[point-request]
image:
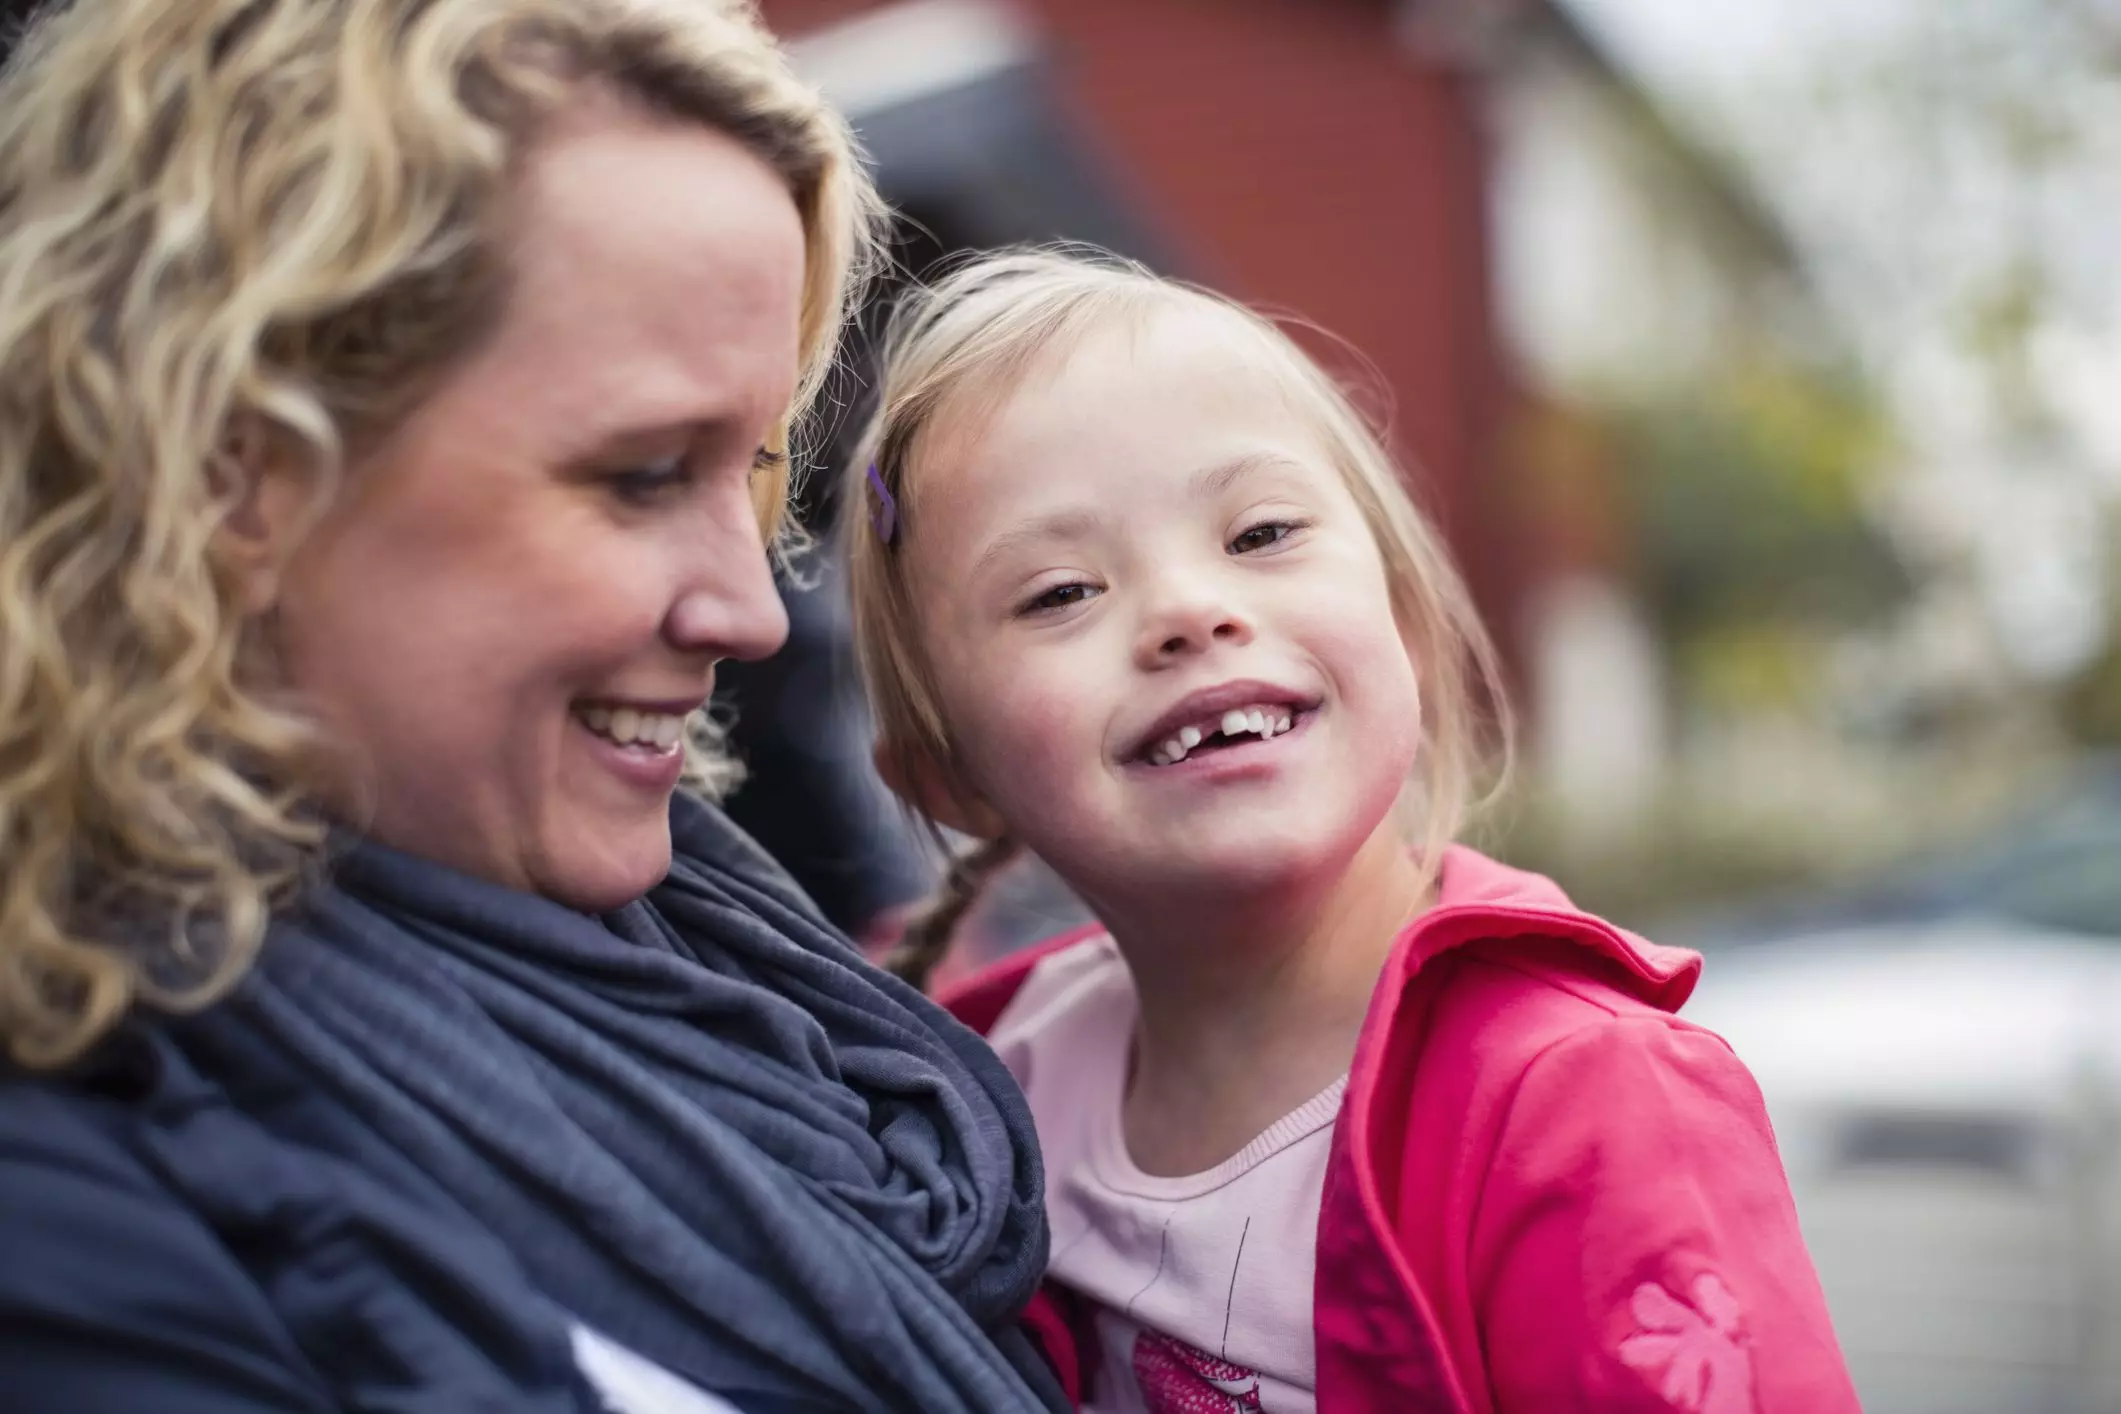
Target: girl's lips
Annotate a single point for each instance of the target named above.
(1249, 756)
(1203, 711)
(1260, 722)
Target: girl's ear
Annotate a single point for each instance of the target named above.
(917, 778)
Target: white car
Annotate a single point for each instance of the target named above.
(1947, 1094)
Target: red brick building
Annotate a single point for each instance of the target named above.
(1309, 156)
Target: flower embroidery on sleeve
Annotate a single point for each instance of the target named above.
(1696, 1355)
(1177, 1379)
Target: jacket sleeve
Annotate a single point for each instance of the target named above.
(113, 1296)
(1636, 1250)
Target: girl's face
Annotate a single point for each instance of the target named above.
(1161, 630)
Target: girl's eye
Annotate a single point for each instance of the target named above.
(1260, 536)
(1060, 596)
(644, 485)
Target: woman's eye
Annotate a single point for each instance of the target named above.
(642, 485)
(1061, 596)
(1260, 536)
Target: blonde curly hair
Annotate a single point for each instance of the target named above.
(281, 215)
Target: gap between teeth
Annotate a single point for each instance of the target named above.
(1262, 722)
(628, 726)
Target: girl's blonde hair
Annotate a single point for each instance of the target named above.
(226, 217)
(953, 352)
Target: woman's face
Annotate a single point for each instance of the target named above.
(550, 555)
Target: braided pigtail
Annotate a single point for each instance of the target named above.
(928, 937)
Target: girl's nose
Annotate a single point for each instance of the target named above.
(1190, 624)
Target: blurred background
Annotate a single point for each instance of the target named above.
(1762, 361)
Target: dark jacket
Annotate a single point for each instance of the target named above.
(224, 1213)
(159, 1250)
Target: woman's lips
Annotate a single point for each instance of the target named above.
(624, 725)
(648, 765)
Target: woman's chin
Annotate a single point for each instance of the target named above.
(596, 872)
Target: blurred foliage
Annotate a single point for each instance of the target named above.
(1944, 172)
(1741, 665)
(1679, 859)
(1950, 171)
(1713, 837)
(2090, 707)
(1746, 497)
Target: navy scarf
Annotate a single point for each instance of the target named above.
(702, 1125)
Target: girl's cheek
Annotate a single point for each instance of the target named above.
(1028, 732)
(1029, 723)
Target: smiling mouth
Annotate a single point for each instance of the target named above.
(1220, 731)
(652, 733)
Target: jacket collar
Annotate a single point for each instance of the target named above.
(1476, 894)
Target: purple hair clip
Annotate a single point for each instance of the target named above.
(884, 515)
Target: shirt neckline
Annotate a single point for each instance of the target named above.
(1115, 1166)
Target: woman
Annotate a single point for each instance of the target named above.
(391, 396)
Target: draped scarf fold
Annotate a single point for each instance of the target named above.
(702, 1125)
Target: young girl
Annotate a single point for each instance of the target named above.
(1336, 1115)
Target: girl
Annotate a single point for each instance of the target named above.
(1337, 1115)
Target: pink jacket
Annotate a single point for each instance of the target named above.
(1547, 1193)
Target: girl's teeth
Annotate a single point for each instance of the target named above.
(625, 725)
(1262, 722)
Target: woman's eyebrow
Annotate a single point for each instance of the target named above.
(636, 437)
(650, 433)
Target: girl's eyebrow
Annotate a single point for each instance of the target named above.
(1075, 523)
(1221, 476)
(1080, 522)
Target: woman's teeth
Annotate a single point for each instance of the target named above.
(1262, 722)
(660, 731)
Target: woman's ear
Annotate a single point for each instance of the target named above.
(270, 501)
(917, 778)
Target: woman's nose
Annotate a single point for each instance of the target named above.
(728, 605)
